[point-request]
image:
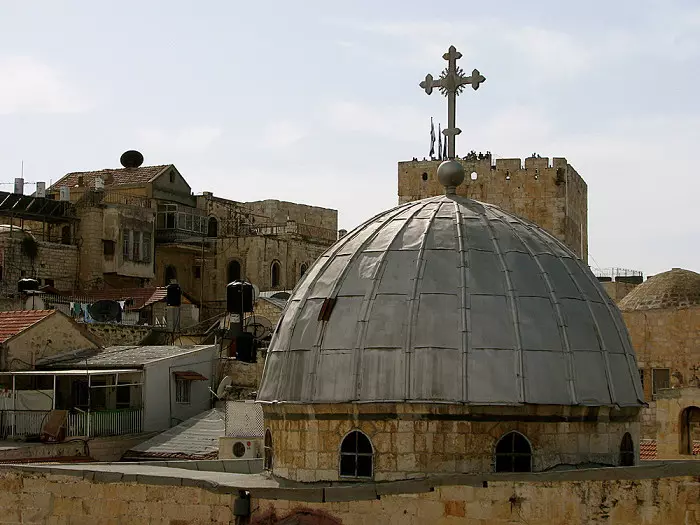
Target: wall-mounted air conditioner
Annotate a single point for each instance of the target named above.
(240, 448)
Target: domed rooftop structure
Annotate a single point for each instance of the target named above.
(450, 300)
(676, 288)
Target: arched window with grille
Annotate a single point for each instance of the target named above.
(233, 272)
(356, 456)
(275, 274)
(627, 451)
(268, 450)
(513, 453)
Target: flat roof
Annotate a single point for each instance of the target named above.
(71, 372)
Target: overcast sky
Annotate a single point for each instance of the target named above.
(315, 102)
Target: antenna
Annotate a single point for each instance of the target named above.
(131, 159)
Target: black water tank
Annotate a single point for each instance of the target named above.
(27, 285)
(173, 294)
(239, 297)
(245, 348)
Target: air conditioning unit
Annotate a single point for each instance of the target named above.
(240, 448)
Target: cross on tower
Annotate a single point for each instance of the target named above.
(451, 83)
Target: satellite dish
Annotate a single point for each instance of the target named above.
(105, 311)
(258, 325)
(225, 383)
(131, 159)
(34, 302)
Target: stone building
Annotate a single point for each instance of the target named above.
(552, 195)
(663, 318)
(448, 336)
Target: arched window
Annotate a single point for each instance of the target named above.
(268, 449)
(626, 451)
(233, 272)
(356, 455)
(65, 235)
(212, 227)
(690, 429)
(170, 274)
(303, 269)
(275, 274)
(513, 453)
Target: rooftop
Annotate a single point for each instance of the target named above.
(112, 177)
(195, 438)
(14, 322)
(677, 288)
(119, 356)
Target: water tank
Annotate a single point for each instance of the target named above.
(64, 193)
(27, 285)
(245, 348)
(99, 183)
(173, 295)
(239, 297)
(19, 186)
(41, 189)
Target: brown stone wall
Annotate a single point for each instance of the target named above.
(280, 211)
(554, 197)
(617, 290)
(117, 334)
(667, 501)
(89, 238)
(54, 335)
(268, 310)
(53, 261)
(411, 440)
(669, 406)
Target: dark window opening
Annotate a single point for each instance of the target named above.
(660, 379)
(268, 449)
(212, 227)
(49, 282)
(1, 273)
(183, 391)
(172, 176)
(108, 248)
(275, 274)
(513, 453)
(627, 451)
(234, 271)
(123, 396)
(197, 272)
(65, 235)
(170, 274)
(424, 176)
(356, 456)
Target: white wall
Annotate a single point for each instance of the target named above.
(160, 409)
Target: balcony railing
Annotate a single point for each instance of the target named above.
(105, 423)
(28, 423)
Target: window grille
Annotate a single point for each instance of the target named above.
(183, 391)
(513, 453)
(356, 455)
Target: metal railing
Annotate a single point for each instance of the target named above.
(21, 423)
(105, 423)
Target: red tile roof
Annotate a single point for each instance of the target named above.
(17, 321)
(119, 177)
(647, 449)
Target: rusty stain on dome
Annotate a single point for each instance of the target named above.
(449, 300)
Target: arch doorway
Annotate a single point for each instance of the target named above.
(233, 272)
(513, 453)
(170, 274)
(627, 451)
(212, 227)
(690, 430)
(275, 274)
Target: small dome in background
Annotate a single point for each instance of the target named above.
(676, 288)
(450, 300)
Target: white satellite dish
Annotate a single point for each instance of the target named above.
(225, 383)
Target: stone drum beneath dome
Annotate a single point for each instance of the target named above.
(446, 335)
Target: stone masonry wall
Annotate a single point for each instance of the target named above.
(414, 439)
(554, 197)
(118, 334)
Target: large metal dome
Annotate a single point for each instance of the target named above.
(449, 300)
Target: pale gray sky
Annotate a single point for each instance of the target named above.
(316, 101)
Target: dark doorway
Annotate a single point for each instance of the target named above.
(234, 271)
(212, 227)
(627, 451)
(170, 274)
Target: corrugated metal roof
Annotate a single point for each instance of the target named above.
(17, 321)
(121, 356)
(451, 300)
(196, 438)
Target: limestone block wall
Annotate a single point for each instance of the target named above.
(669, 406)
(618, 290)
(411, 440)
(555, 197)
(55, 261)
(117, 334)
(89, 238)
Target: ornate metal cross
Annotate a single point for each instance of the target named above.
(451, 83)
